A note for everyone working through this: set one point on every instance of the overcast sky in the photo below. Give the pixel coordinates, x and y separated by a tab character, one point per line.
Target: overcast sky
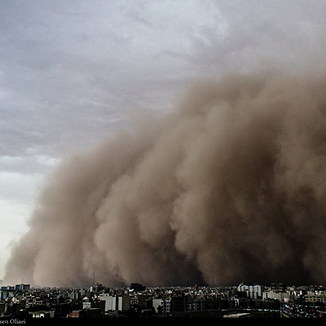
72	72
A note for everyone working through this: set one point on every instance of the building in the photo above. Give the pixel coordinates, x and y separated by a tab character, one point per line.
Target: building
115	302
86	303
315	297
7	292
276	295
10	291
123	303
252	291
195	304
22	287
158	305
110	302
255	291
166	309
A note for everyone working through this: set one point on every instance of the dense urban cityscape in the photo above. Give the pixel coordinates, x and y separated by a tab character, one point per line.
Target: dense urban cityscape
23	302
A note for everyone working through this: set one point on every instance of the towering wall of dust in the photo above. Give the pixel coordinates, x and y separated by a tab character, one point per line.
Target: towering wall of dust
230	187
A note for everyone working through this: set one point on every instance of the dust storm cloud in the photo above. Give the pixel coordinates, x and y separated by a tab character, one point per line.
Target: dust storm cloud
230	186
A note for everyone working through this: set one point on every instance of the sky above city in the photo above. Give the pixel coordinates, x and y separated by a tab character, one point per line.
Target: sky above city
73	72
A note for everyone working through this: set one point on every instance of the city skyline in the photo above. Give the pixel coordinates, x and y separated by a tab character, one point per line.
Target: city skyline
274	301
162	141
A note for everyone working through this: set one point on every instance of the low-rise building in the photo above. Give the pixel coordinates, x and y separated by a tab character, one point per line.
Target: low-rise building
315	297
277	295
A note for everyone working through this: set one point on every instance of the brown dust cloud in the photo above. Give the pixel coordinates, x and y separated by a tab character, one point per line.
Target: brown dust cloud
229	186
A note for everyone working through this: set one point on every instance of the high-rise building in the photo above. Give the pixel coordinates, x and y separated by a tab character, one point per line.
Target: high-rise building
252	291
22	287
110	302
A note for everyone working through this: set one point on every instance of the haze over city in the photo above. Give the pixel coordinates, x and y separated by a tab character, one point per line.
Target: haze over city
162	142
